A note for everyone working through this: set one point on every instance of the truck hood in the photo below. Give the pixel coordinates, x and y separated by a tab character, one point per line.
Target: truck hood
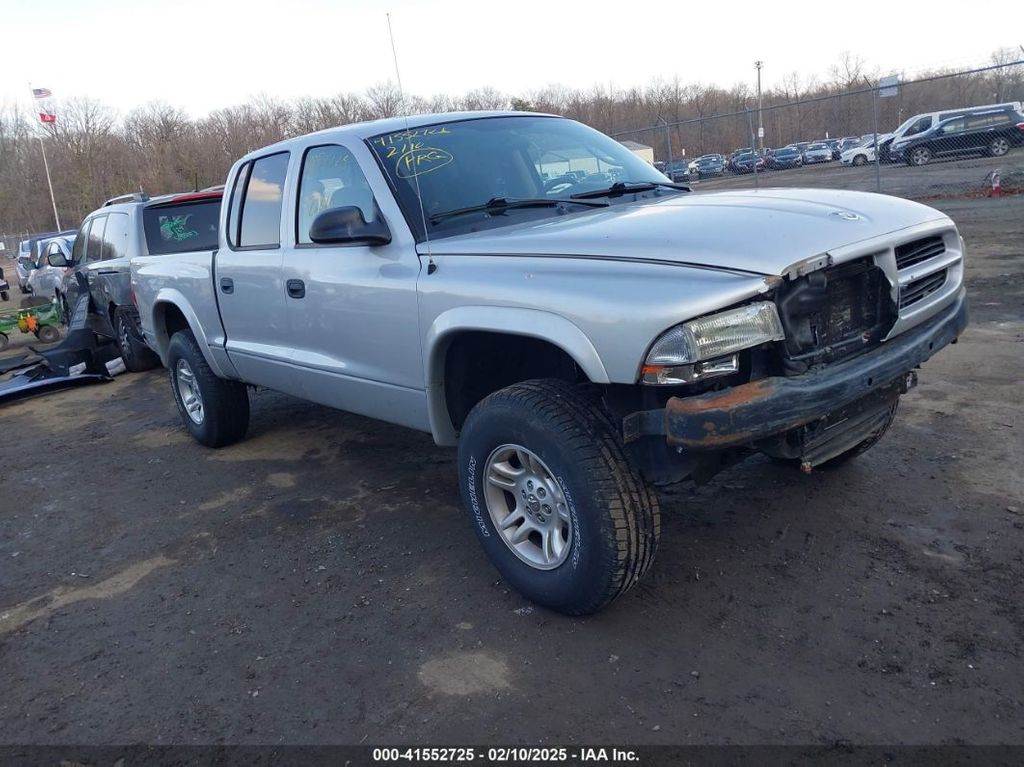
761	231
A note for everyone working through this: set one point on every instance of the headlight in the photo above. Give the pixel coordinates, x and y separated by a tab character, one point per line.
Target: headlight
707	346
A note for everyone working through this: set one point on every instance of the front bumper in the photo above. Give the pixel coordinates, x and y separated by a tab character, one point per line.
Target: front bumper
746	414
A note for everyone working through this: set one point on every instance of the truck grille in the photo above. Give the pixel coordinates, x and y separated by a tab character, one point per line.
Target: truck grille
915	252
917	290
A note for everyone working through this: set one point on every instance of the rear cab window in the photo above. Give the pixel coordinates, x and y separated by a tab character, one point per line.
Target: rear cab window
181	226
259	212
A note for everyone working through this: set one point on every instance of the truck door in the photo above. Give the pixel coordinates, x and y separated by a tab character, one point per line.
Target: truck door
352	308
247	274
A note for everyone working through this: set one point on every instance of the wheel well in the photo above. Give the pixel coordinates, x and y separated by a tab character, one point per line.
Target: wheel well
478	363
170	319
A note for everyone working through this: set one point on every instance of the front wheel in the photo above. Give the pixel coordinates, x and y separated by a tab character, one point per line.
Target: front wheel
998	146
5	295
860	160
920	156
214	410
553	501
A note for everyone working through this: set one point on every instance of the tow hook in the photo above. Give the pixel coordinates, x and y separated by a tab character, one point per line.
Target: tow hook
909	382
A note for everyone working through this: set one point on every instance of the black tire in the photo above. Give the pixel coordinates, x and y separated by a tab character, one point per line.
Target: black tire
860	160
614	516
4	341
224	417
5	295
136	355
48	334
998	146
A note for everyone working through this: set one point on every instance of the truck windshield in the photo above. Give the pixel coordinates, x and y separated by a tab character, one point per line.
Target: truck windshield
463	164
183	227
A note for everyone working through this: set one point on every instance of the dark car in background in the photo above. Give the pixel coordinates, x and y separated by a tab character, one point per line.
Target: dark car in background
746	161
784	157
678	170
125	227
710	165
993	132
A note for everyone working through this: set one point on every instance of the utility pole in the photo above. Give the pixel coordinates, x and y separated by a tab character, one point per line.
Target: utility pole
760	122
668	142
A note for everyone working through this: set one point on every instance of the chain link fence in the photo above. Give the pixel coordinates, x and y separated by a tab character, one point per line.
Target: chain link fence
955	135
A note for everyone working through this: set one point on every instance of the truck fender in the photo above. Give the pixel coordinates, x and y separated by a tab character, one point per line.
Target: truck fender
534	323
213	349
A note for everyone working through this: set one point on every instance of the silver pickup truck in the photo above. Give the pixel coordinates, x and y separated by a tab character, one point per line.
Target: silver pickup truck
525	288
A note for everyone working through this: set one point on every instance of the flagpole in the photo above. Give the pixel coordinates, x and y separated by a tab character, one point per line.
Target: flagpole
49	183
46	165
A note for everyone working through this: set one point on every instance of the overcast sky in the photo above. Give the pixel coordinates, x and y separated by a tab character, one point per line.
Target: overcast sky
200	55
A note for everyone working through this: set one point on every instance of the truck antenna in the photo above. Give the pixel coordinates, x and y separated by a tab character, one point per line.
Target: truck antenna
431	266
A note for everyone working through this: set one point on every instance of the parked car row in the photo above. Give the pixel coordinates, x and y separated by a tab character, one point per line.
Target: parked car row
992	129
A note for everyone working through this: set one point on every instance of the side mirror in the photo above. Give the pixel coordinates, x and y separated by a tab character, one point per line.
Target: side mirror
347	226
58	259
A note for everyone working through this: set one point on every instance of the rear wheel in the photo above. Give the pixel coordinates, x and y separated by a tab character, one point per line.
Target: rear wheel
214	410
553	501
136	355
5	295
922	155
998	146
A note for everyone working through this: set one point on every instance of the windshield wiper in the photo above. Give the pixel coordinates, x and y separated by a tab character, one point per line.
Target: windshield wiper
500	204
620	188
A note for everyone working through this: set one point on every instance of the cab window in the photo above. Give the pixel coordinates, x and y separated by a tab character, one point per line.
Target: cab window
919	127
331	178
260	224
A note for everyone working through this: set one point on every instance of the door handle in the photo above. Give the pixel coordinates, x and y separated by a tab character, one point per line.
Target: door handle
227	285
296	288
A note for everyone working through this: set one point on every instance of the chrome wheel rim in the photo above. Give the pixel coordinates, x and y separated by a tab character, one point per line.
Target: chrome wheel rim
920	157
1000	147
527	507
188	392
125	338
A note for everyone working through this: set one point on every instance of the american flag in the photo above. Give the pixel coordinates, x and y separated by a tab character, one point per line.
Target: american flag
42	93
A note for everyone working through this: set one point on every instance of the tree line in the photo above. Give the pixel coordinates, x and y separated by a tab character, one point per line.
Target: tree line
95	154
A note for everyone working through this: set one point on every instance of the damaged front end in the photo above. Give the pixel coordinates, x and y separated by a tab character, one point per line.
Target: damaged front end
854	333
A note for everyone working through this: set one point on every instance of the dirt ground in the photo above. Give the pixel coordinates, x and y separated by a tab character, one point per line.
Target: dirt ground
319	583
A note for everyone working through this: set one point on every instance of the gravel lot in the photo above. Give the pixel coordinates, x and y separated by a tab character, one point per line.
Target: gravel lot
318	583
